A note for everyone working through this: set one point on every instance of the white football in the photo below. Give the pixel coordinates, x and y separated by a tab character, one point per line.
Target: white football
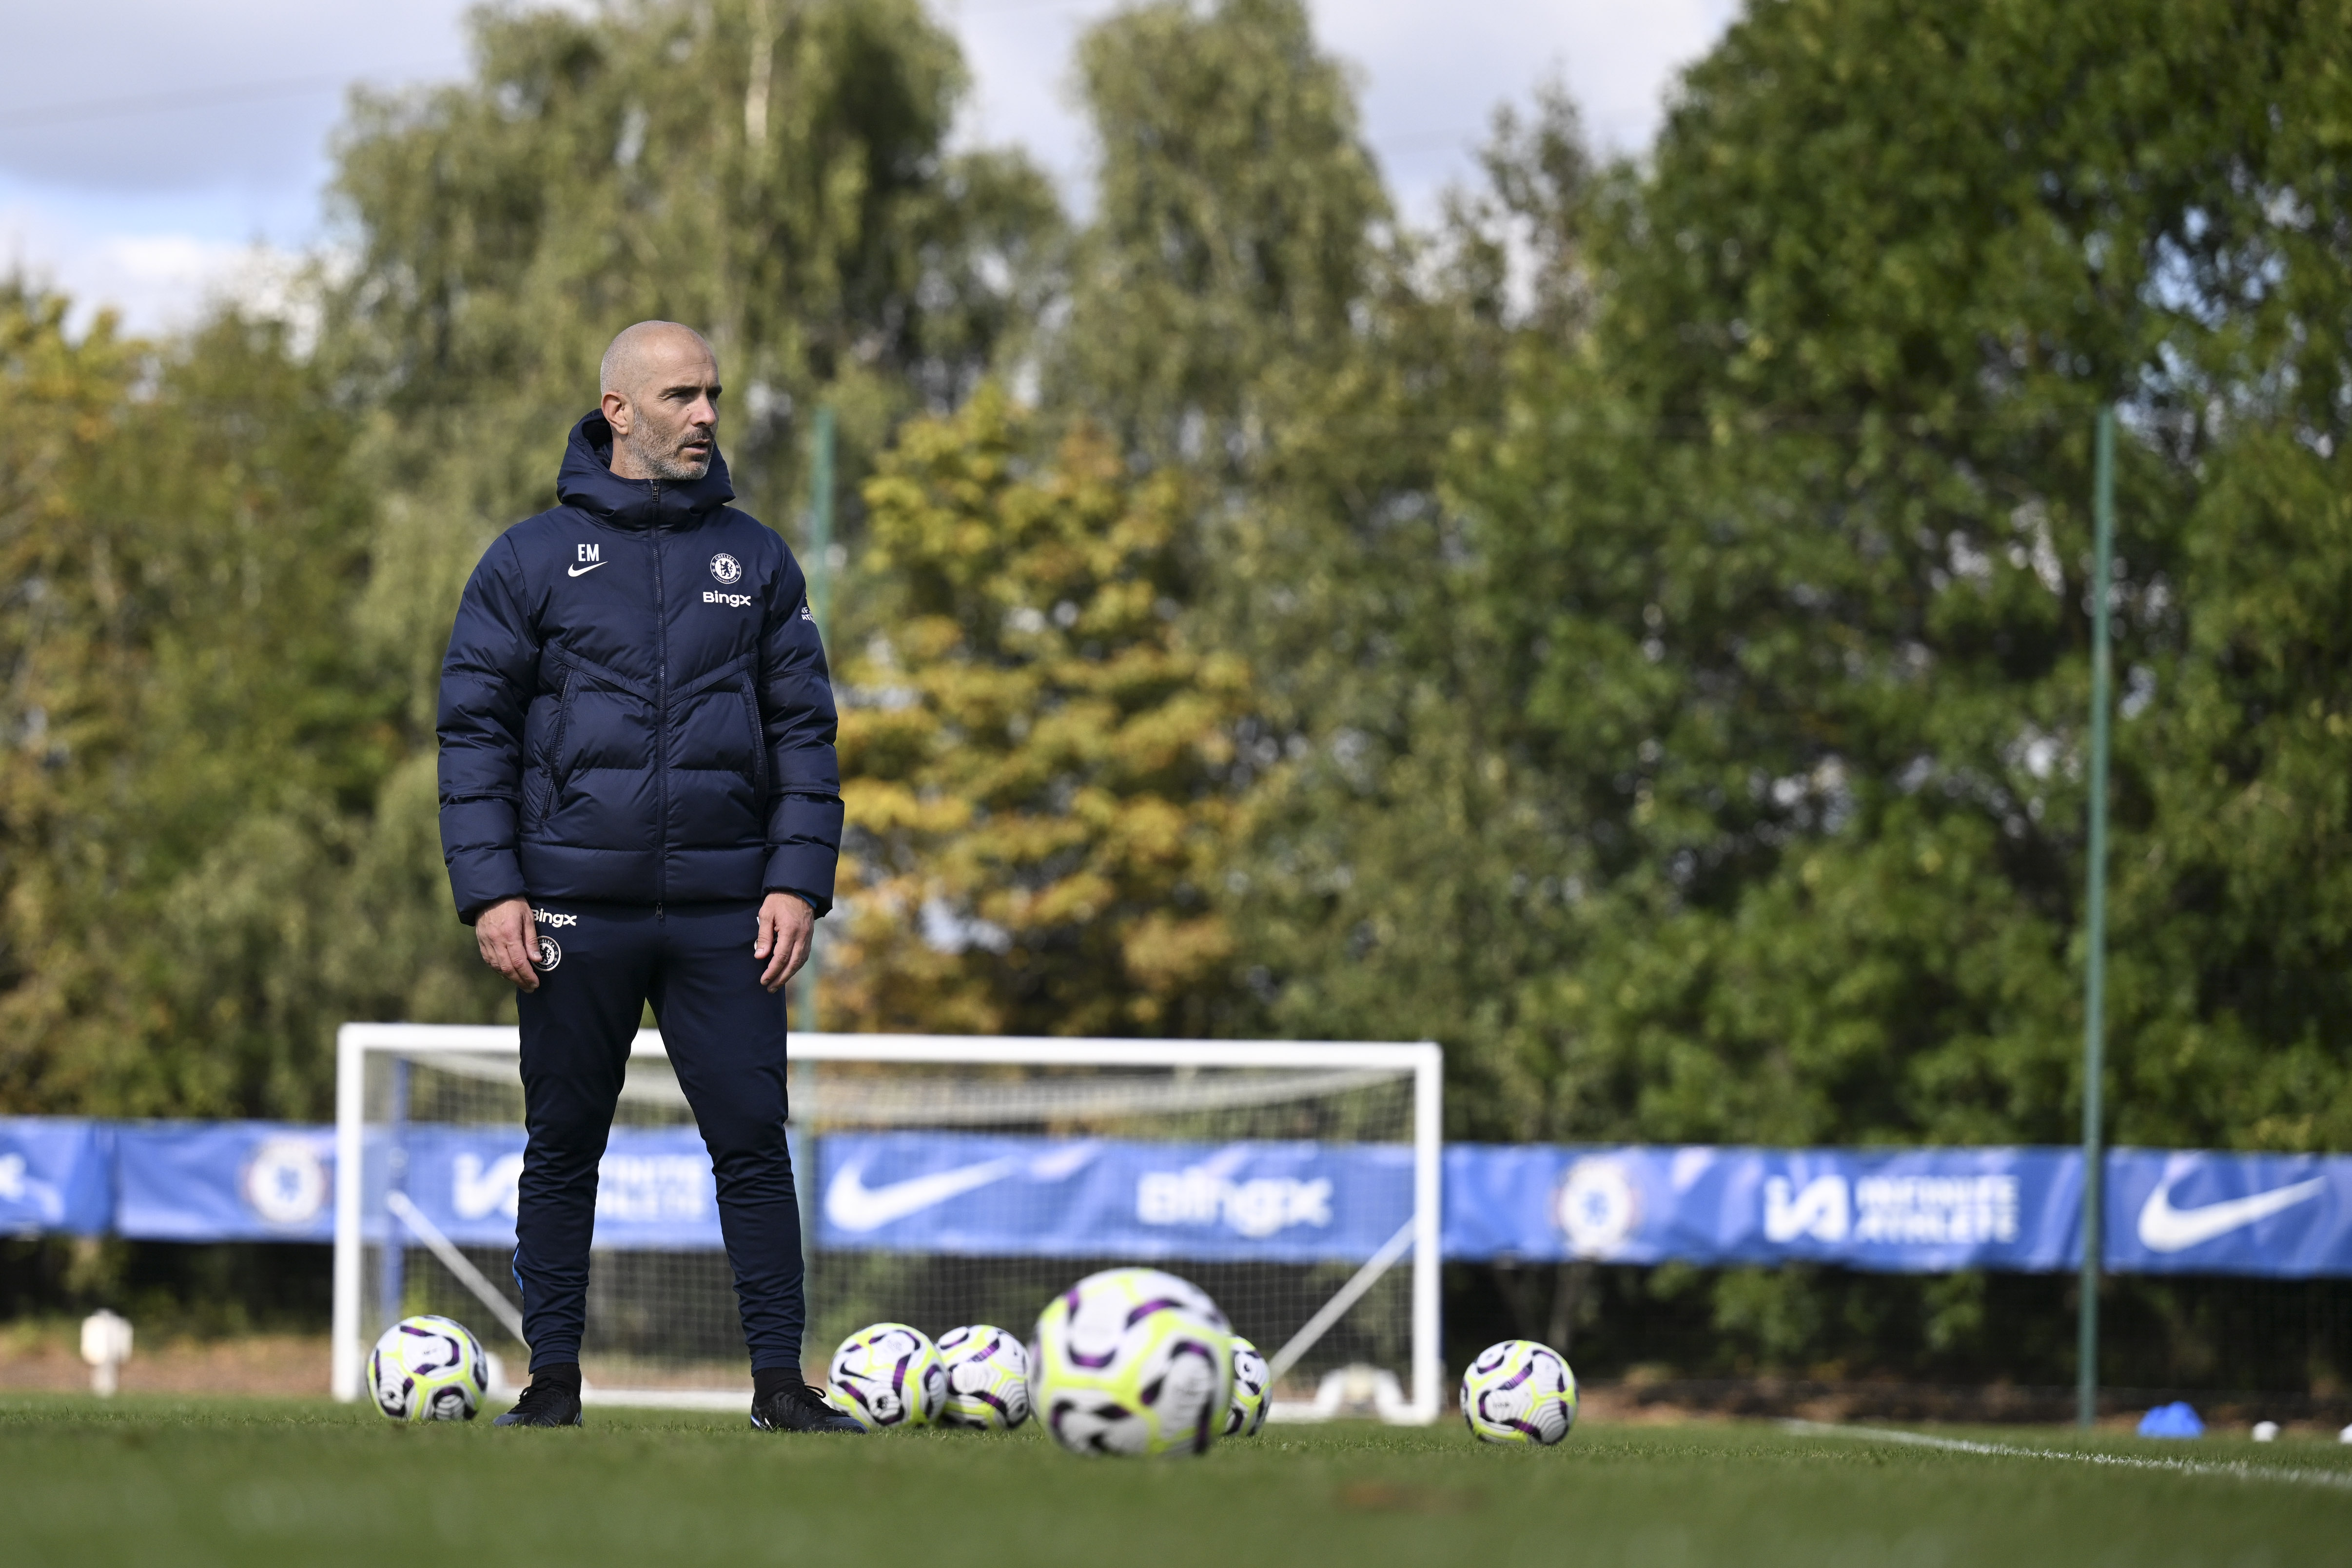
1253	1391
888	1375
428	1369
1519	1392
1132	1362
988	1378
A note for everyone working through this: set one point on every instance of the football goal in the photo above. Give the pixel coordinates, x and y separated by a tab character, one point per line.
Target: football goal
944	1180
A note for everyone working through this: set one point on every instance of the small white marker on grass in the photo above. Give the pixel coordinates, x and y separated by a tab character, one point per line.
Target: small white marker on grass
105	1345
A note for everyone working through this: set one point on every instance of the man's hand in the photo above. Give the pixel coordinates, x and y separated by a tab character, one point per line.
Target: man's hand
787	926
508	943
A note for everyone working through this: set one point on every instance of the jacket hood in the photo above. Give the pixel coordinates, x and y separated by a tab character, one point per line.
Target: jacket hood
587	481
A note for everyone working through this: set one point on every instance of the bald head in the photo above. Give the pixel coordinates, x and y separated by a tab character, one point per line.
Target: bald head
627	356
660	385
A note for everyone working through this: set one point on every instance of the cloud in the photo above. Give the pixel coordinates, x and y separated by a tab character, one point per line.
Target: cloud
1434	72
175	194
126	53
156	208
1431	72
154	281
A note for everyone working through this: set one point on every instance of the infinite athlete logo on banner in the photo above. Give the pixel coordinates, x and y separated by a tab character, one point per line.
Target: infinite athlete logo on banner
653	1187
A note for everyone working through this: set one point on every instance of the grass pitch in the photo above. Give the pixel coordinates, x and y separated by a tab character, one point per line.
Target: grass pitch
152	1480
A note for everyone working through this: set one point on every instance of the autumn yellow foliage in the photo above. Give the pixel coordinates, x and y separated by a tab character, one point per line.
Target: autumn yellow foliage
1033	747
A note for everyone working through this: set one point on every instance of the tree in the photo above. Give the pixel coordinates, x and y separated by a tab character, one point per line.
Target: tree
1795	566
1232	224
198	740
1031	755
771	171
1246	315
1403	865
62	695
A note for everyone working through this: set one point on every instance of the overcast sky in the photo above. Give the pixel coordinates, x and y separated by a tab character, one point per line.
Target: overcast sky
145	172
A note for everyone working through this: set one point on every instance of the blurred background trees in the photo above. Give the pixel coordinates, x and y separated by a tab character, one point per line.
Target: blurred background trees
1629	624
1796	554
194	737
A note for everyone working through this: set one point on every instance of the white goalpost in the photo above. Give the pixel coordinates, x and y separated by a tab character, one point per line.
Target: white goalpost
944	1180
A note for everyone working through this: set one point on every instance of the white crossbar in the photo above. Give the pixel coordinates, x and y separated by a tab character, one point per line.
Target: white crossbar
1043	1050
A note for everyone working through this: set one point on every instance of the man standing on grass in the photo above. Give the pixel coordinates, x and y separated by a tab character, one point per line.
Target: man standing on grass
639	803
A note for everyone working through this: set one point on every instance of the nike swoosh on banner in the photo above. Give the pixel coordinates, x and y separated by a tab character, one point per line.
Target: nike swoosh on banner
2163	1228
855	1207
578	571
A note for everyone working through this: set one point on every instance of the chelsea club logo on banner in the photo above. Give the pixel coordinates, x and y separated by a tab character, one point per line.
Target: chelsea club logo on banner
1597	1206
286	1183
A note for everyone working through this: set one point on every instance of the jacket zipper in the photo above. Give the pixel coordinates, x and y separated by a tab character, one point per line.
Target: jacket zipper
661	715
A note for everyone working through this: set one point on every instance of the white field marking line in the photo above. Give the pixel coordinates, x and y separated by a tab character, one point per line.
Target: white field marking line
2233	1469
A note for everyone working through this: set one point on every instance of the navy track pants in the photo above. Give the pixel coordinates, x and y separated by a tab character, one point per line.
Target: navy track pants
599	966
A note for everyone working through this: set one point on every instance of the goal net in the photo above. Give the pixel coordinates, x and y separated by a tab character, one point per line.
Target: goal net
944	1180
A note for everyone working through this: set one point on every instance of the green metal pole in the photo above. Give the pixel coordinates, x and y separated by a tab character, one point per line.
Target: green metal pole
819	568
2094	920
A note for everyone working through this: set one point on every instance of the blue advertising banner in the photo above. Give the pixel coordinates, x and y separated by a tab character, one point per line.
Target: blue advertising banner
654	1190
1909	1210
224	1181
262	1180
56	1174
2187	1211
1045	1197
1913	1210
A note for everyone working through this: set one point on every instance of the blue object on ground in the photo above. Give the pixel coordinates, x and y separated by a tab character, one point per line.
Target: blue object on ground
2177	1419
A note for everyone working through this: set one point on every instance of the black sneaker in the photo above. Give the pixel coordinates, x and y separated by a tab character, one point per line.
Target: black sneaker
796	1407
543	1405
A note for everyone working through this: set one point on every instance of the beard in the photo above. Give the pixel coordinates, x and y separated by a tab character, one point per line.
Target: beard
669	465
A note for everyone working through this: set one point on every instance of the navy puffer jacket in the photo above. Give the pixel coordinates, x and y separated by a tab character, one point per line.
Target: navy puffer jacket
635	706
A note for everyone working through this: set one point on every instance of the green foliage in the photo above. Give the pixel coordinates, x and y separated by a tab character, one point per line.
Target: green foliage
1401	859
1231	230
195	740
1796	558
772	170
1244	309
